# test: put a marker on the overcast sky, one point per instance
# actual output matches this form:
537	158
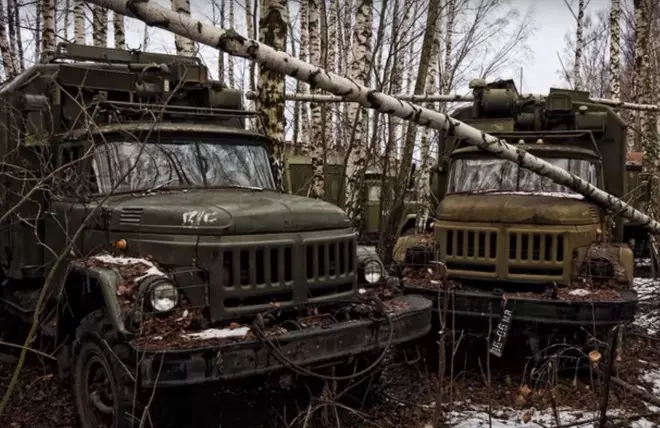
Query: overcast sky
552	20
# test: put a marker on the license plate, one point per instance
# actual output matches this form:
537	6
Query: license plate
501	333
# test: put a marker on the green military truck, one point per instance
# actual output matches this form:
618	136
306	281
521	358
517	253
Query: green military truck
131	178
518	247
298	177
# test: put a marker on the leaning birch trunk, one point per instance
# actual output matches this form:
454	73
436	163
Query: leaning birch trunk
235	44
317	189
423	185
615	50
273	27
5	50
99	26
359	71
184	46
48	33
79	22
119	29
579	46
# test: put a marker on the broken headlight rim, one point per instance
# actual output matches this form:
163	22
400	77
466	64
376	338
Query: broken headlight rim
373	270
162	294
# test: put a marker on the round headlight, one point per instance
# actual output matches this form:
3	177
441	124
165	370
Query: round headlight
373	271
164	297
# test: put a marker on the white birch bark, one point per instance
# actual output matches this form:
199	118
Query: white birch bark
5	49
184	46
65	26
331	65
249	23
221	55
273	28
19	38
361	58
119	30
303	137
447	69
237	45
230	59
12	24
48	32
615	50
317	189
100	26
79	35
579	46
423	182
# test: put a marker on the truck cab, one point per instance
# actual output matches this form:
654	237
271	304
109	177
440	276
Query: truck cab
511	238
139	217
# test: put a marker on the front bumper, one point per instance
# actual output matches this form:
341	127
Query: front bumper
309	347
480	304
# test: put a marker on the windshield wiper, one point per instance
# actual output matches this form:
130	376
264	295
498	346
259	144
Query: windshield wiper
237	186
479	192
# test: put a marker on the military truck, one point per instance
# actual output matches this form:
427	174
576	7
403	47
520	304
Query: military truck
140	222
518	247
299	173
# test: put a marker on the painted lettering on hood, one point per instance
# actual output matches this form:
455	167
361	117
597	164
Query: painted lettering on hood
199	217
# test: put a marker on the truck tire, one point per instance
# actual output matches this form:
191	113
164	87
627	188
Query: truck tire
104	390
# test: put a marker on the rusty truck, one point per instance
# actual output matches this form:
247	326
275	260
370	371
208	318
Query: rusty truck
519	249
140	216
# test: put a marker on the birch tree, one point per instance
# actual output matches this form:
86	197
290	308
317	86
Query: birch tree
303	111
15	39
359	71
579	45
423	182
317	189
49	30
99	26
184	46
230	59
5	50
273	28
79	22
615	50
403	178
119	30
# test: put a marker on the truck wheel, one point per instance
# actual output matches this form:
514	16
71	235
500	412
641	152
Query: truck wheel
104	390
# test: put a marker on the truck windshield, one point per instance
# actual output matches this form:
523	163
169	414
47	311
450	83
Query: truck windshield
128	166
470	175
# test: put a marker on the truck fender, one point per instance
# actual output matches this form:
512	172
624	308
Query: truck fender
85	290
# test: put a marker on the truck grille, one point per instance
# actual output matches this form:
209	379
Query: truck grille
472	244
535	247
328	260
248	277
479	251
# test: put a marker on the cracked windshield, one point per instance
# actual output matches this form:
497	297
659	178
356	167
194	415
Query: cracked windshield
500	175
128	166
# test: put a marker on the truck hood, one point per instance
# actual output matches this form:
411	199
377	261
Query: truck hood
227	211
518	209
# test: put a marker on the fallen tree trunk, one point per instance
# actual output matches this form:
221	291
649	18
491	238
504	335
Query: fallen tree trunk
234	44
448	98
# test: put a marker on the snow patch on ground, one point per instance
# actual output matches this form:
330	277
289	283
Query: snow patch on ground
109	259
579	292
512	418
218	333
648	290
